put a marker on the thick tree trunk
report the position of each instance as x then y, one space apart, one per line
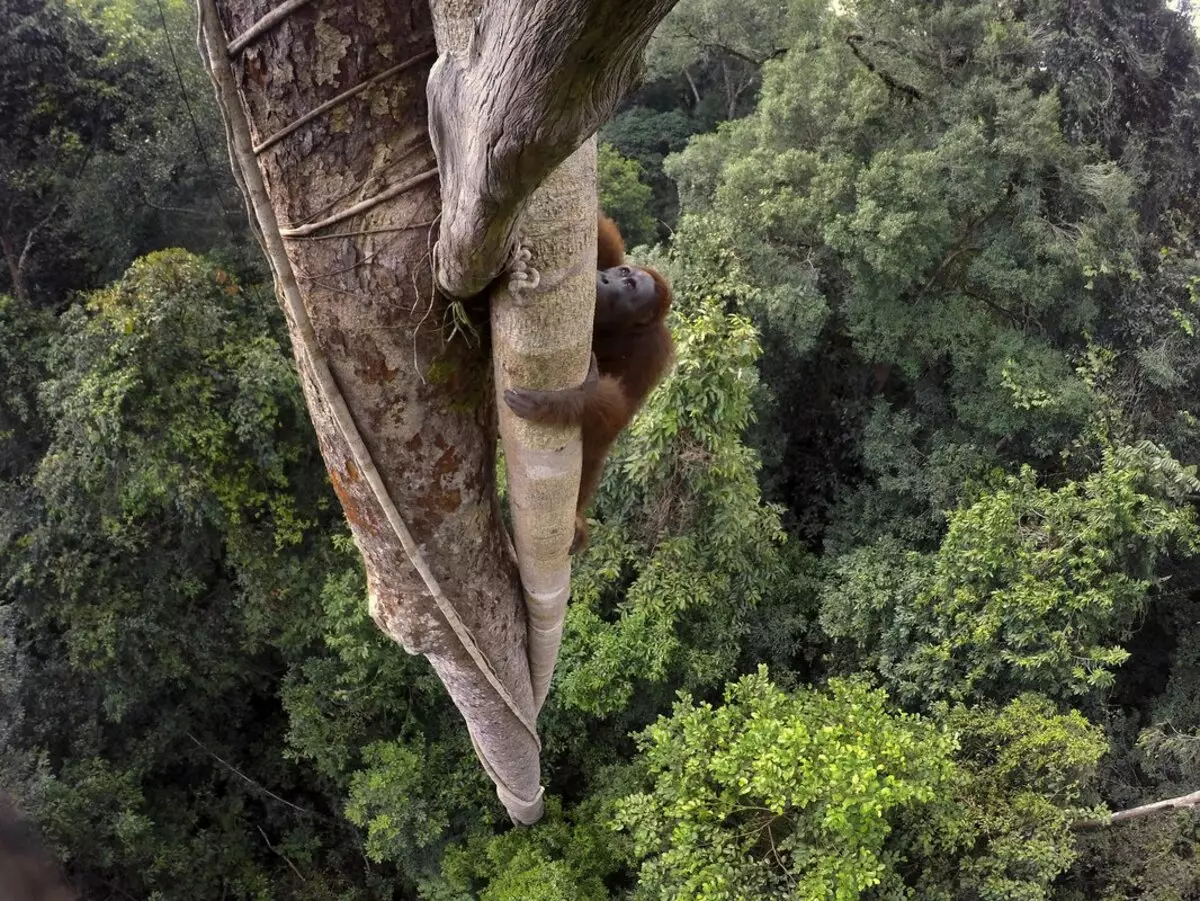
345 204
518 88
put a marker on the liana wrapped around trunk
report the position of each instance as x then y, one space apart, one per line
328 120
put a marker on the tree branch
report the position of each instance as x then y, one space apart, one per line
852 41
692 85
535 81
709 45
45 220
1183 802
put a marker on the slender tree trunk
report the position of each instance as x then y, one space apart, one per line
692 84
327 118
542 337
731 92
16 271
516 96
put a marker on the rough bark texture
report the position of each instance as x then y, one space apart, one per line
517 88
422 405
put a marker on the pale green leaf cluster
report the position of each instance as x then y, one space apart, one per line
779 796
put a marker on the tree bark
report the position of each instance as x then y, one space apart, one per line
542 338
518 88
16 270
344 205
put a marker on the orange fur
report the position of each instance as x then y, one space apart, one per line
610 246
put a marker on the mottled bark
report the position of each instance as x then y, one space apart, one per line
368 326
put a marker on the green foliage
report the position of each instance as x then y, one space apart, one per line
1151 859
778 796
377 725
1005 832
391 797
829 795
562 858
25 334
944 243
623 195
936 296
1033 588
645 136
168 558
686 545
113 144
99 812
63 101
175 189
697 32
195 436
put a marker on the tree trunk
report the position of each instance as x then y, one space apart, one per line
16 271
542 338
327 122
518 89
327 119
731 92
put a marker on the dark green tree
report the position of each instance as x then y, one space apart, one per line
170 563
624 196
63 101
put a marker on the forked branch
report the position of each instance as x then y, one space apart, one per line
537 78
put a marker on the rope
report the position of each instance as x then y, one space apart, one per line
230 222
388 193
341 98
263 25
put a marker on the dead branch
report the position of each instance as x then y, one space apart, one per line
852 41
1182 802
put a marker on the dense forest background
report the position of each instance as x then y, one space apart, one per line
895 587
